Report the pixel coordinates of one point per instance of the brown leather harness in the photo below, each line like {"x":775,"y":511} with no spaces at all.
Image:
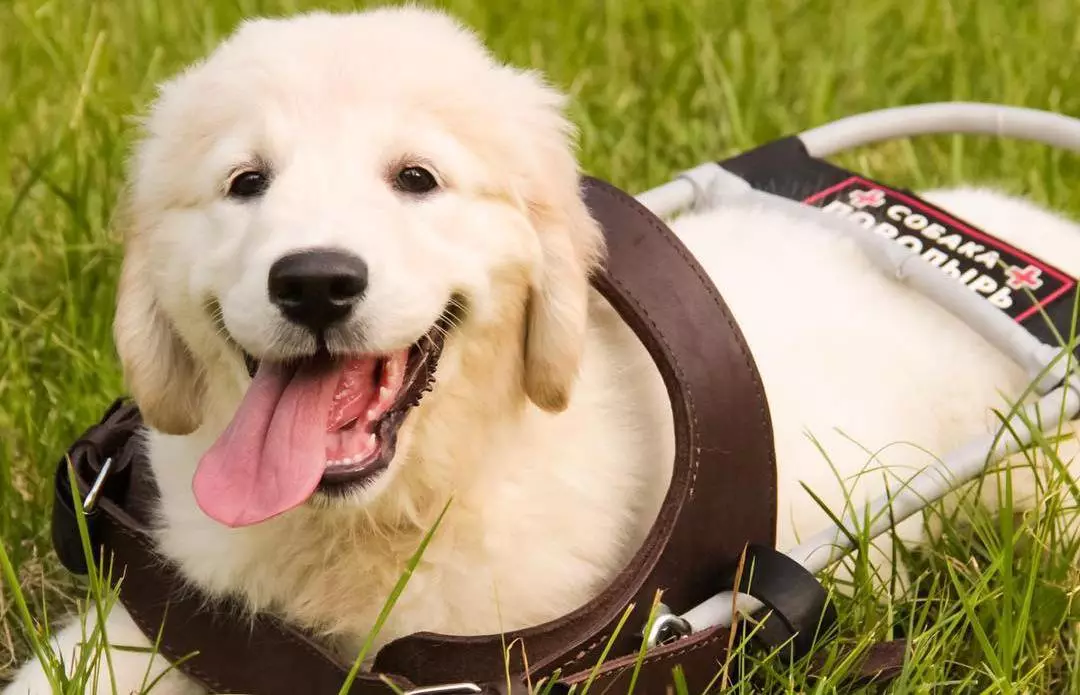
{"x":720,"y":508}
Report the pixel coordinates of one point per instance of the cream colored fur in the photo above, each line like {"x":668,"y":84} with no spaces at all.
{"x":548,"y":424}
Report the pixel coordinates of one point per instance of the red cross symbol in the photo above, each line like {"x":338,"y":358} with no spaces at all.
{"x":874,"y":198}
{"x":1028,"y":277}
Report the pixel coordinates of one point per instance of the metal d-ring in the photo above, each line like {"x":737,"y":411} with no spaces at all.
{"x":667,"y":627}
{"x":95,"y":490}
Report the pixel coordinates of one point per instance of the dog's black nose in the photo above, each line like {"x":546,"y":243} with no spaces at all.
{"x":316,"y":289}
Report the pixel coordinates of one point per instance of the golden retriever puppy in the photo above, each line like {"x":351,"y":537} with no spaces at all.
{"x":356,"y":286}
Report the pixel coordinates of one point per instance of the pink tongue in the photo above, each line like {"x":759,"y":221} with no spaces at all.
{"x":272,"y":455}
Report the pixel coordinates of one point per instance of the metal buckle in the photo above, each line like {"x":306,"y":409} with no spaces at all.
{"x":667,"y":627}
{"x":95,"y":489}
{"x":447,"y":689}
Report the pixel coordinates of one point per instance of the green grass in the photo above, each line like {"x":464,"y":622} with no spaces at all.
{"x":656,"y":86}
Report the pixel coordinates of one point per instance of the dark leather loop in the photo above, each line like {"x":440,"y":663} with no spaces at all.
{"x":797,"y":607}
{"x":67,"y":542}
{"x":107,"y":439}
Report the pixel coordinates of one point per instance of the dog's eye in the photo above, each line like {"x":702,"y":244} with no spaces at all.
{"x":248,"y":184}
{"x":416,"y":180}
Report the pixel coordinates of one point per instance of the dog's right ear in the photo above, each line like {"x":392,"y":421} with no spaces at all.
{"x":159,"y":370}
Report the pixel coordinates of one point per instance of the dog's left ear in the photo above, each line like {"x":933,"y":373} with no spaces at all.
{"x":571,"y":243}
{"x":160,"y":372}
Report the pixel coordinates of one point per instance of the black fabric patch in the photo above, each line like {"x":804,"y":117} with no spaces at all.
{"x":1032,"y":292}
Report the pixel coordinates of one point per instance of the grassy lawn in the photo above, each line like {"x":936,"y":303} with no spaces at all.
{"x":657,"y":86}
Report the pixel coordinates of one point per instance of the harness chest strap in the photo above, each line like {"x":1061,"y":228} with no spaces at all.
{"x":1033,"y":293}
{"x":722,"y":496}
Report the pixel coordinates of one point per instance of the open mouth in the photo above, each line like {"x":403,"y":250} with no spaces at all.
{"x":323,"y":424}
{"x":373,"y":396}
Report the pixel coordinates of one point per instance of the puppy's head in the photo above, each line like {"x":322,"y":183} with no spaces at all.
{"x":329,"y":217}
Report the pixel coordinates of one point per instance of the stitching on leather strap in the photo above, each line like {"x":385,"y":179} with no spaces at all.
{"x":615,"y":674}
{"x":268,"y":623}
{"x":584,"y":652}
{"x":659,"y":335}
{"x":710,"y":288}
{"x":695,"y":459}
{"x":144,"y":623}
{"x":695,"y":447}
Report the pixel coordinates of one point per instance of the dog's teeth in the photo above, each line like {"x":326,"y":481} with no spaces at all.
{"x":371,"y":440}
{"x":384,"y":394}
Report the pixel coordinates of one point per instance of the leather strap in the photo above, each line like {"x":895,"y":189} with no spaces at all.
{"x":722,"y":496}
